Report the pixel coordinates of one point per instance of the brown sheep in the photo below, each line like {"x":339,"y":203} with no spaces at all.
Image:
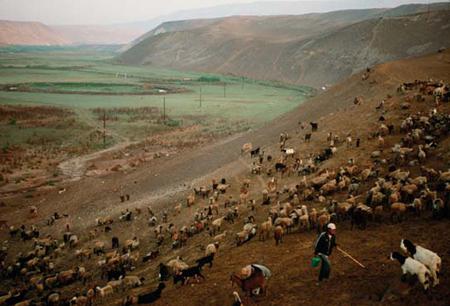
{"x":265,"y":229}
{"x":398,"y":210}
{"x":190,"y":200}
{"x":278,"y":234}
{"x":322,"y":221}
{"x":378,"y":213}
{"x":313,"y":218}
{"x":286,"y":223}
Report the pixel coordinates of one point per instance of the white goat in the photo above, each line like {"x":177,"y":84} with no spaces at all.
{"x":430,"y":259}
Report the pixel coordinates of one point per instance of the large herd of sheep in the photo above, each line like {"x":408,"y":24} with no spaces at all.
{"x":385,"y":189}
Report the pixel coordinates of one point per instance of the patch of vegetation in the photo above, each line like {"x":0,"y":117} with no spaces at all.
{"x":173,"y":123}
{"x":210,"y":79}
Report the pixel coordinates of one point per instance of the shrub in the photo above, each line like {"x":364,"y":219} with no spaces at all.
{"x":208,"y":79}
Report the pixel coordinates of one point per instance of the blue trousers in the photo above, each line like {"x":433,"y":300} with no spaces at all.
{"x":325,"y":267}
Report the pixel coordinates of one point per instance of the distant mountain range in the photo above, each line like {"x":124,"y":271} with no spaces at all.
{"x":312,"y":49}
{"x":34,"y":33}
{"x":29,"y":33}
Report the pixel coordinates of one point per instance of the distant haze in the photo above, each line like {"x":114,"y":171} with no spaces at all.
{"x":64,"y":12}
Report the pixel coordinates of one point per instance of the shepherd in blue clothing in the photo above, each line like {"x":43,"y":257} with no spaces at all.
{"x":323,"y":248}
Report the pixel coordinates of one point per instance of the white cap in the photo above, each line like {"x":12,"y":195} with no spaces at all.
{"x":331,"y":226}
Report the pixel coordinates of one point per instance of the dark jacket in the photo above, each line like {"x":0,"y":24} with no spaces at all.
{"x":325,"y":244}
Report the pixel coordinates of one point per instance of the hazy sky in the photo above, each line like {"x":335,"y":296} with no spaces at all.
{"x":111,"y":11}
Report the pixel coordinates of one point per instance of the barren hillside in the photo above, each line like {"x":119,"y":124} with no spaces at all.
{"x":163,"y":184}
{"x":314,"y":49}
{"x":29,"y":33}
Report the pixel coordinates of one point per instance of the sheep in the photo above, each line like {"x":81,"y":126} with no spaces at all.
{"x":177,"y":209}
{"x":421,"y":155}
{"x":177,"y":265}
{"x":73,"y":241}
{"x":383,"y":130}
{"x":53,"y":298}
{"x":430,"y":259}
{"x":132,"y":281}
{"x":211,"y":248}
{"x":105,"y":291}
{"x":418,"y":206}
{"x":444,"y":177}
{"x":220,"y":237}
{"x":131,"y":244}
{"x":241,"y":237}
{"x":313,"y":217}
{"x":265,"y":229}
{"x":33,"y":212}
{"x":285,"y":222}
{"x":216,"y":225}
{"x":99,"y":248}
{"x":278,"y":234}
{"x":413,"y":267}
{"x":398,"y":209}
{"x":104,"y":221}
{"x":322,"y":220}
{"x":329,"y":187}
{"x":115,"y":284}
{"x":399,"y":175}
{"x":246,"y":147}
{"x":190,"y":200}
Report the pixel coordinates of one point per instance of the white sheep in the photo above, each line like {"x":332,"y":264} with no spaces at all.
{"x":430,"y":259}
{"x":132,"y":281}
{"x":105,"y":291}
{"x":413,"y":267}
{"x":211,"y":248}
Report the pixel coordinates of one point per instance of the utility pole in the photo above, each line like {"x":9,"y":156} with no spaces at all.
{"x":164,"y":109}
{"x":224,"y":89}
{"x":242,"y":83}
{"x":200,"y":96}
{"x":104,"y":129}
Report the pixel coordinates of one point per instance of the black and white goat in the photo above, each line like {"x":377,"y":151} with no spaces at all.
{"x":413,"y":267}
{"x":430,"y":259}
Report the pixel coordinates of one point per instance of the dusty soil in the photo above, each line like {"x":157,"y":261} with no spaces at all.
{"x":162,"y":182}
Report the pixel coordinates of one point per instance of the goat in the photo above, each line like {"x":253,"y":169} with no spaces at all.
{"x":146,"y":298}
{"x":184,"y":275}
{"x":413,"y":267}
{"x":430,"y":259}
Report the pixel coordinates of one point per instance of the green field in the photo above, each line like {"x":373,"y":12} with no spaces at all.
{"x":87,"y":79}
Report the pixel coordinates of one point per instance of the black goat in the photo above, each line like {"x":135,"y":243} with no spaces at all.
{"x":146,"y":298}
{"x":205,"y":260}
{"x":115,"y":242}
{"x":163,"y":272}
{"x":150,"y":255}
{"x":184,"y":275}
{"x":280,"y":167}
{"x":255,"y":152}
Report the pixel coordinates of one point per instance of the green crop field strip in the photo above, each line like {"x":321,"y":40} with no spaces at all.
{"x":86,"y":79}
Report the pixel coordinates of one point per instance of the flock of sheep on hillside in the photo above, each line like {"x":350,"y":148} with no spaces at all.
{"x":387,"y":187}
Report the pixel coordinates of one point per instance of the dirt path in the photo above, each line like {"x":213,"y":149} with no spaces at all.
{"x":75,"y":168}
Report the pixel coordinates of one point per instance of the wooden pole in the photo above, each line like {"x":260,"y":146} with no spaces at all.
{"x":104,"y":129}
{"x":200,"y":96}
{"x":351,"y":257}
{"x":224,"y":89}
{"x":164,"y":109}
